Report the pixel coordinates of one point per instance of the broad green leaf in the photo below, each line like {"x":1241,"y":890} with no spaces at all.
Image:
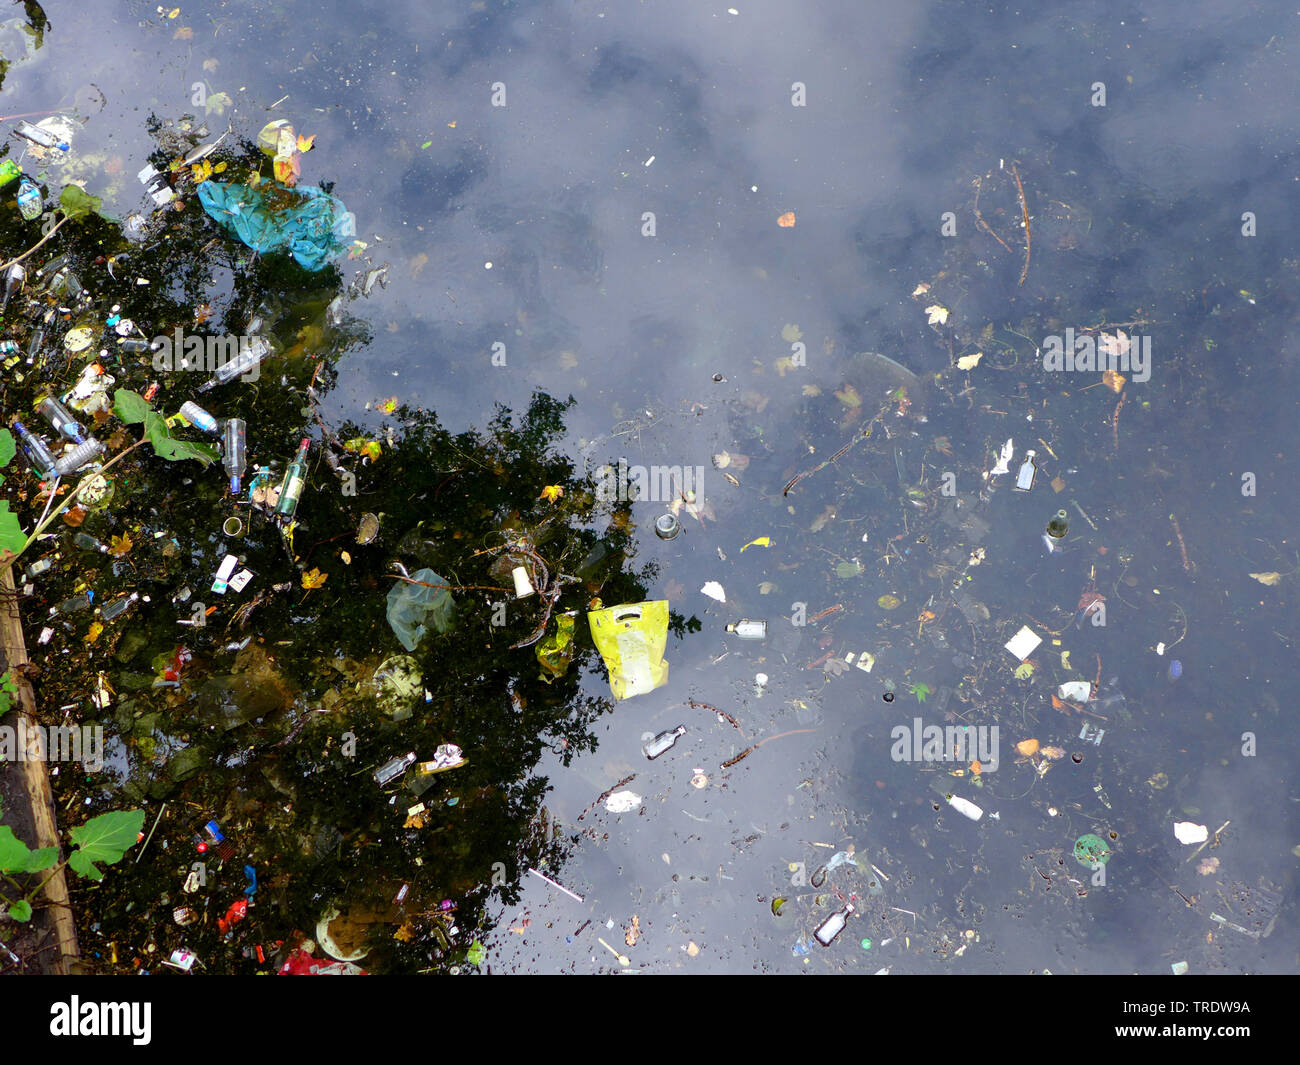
{"x":104,"y":839}
{"x":921,"y":691}
{"x":17,"y":857}
{"x":21,"y":910}
{"x":76,"y":202}
{"x":477,"y":953}
{"x":12,"y":537}
{"x":168,"y":447}
{"x":130,"y":406}
{"x":7,"y":447}
{"x":845,"y":570}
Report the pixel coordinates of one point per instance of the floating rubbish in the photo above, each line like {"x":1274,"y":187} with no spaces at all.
{"x":833,"y":926}
{"x":558,"y":887}
{"x":965,"y":807}
{"x":748,"y":630}
{"x":1187,"y":832}
{"x":631,"y":638}
{"x":1075,"y":691}
{"x":714,"y":591}
{"x":1027,"y":472}
{"x":622,"y":802}
{"x":1091,"y":850}
{"x":667,"y":526}
{"x":1022,"y":644}
{"x":663,"y":742}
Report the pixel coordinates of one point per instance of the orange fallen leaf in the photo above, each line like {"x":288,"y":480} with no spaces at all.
{"x":975,"y":768}
{"x":1027,"y":747}
{"x":1114,"y":381}
{"x":313,"y":579}
{"x":633,"y":933}
{"x":786,"y":221}
{"x":1057,"y":704}
{"x":1054,"y":753}
{"x":551,"y":493}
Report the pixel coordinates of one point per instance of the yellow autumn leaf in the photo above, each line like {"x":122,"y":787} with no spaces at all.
{"x":921,"y":289}
{"x":785,"y":365}
{"x":96,"y":627}
{"x":1028,"y":748}
{"x":1112,"y":380}
{"x":969,"y":362}
{"x":173,"y":12}
{"x":313,"y":579}
{"x":405,"y":934}
{"x":1267,"y":578}
{"x":762,"y":541}
{"x":287,"y":170}
{"x":388,"y":406}
{"x":551,"y":493}
{"x":938,"y":315}
{"x":220,"y":168}
{"x":848,"y":395}
{"x":811,"y":390}
{"x":305,"y":143}
{"x":120,"y":545}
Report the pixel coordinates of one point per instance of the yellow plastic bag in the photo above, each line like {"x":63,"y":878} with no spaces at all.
{"x":631,"y":639}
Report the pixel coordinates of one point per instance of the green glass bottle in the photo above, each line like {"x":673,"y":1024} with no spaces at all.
{"x":1059,"y":525}
{"x":295,"y":480}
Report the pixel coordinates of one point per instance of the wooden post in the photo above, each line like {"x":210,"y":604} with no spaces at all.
{"x":36,"y":779}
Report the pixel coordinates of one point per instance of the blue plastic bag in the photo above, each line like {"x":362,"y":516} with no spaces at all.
{"x":313,"y":226}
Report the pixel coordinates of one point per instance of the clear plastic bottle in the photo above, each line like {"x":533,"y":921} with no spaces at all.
{"x":233,"y":439}
{"x":78,"y":457}
{"x":14,"y":278}
{"x":38,"y":454}
{"x":117,"y":606}
{"x":662,"y":742}
{"x":748,"y":630}
{"x":88,"y":543}
{"x":833,"y":926}
{"x":61,"y":419}
{"x":42,"y":138}
{"x":30,"y":203}
{"x":198,"y":417}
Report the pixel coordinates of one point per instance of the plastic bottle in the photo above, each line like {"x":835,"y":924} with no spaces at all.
{"x":258,"y":349}
{"x":662,"y":742}
{"x":78,"y":457}
{"x":88,"y":543}
{"x":198,"y":417}
{"x":833,"y":926}
{"x":30,"y":203}
{"x":69,"y":606}
{"x":748,"y":630}
{"x":393,"y":768}
{"x":295,"y":480}
{"x":40,"y":137}
{"x":117,"y":606}
{"x":38,"y":454}
{"x":62,"y":420}
{"x":232,"y":451}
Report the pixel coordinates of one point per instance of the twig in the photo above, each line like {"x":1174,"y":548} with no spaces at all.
{"x":35,"y":246}
{"x":721,"y":713}
{"x":821,"y":466}
{"x":980,"y":218}
{"x":151,"y":832}
{"x":1114,"y":420}
{"x":1182,"y":547}
{"x":743,"y":754}
{"x":1024,"y":210}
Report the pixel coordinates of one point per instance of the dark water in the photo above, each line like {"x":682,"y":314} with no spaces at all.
{"x":1136,"y":216}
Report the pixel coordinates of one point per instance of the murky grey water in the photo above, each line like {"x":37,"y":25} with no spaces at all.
{"x":528,"y":225}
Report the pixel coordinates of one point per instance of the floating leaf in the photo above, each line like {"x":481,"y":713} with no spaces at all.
{"x":217,"y":103}
{"x":17,"y":857}
{"x":12,"y":537}
{"x":848,"y":395}
{"x":938,"y":315}
{"x":811,"y":390}
{"x":969,"y":362}
{"x":168,"y":447}
{"x":1058,"y":484}
{"x":1114,"y":381}
{"x":888,"y":602}
{"x":1267,"y":578}
{"x":791,"y":333}
{"x":305,"y":143}
{"x":552,"y":493}
{"x":762,"y":541}
{"x":766,"y":587}
{"x":921,"y":289}
{"x":1024,"y":671}
{"x":846,"y":570}
{"x":96,"y":627}
{"x":786,"y":221}
{"x":104,"y":839}
{"x":76,"y":203}
{"x":921,"y":691}
{"x":313,"y":579}
{"x":130,"y":406}
{"x":287,"y":169}
{"x":425,"y":145}
{"x":477,"y":953}
{"x":1027,"y":748}
{"x":778,"y":904}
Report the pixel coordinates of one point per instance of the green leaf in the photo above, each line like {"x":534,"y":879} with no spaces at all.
{"x":130,"y":406}
{"x":12,"y":537}
{"x":21,"y":910}
{"x":921,"y":691}
{"x":217,"y":103}
{"x":477,"y":953}
{"x":846,"y":570}
{"x":17,"y":857}
{"x":168,"y":447}
{"x":76,"y":202}
{"x":7,"y":447}
{"x":104,"y":839}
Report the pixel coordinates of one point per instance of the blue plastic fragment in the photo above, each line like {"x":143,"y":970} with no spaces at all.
{"x":251,"y":874}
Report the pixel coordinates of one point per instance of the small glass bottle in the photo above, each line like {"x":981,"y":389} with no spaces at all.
{"x":62,"y":420}
{"x":295,"y":480}
{"x":38,"y":454}
{"x":833,"y":926}
{"x":233,"y":440}
{"x":748,"y":630}
{"x":14,"y":278}
{"x":662,"y":742}
{"x":1026,"y":474}
{"x":393,"y":768}
{"x":249,"y":358}
{"x":1058,"y":526}
{"x":198,"y":417}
